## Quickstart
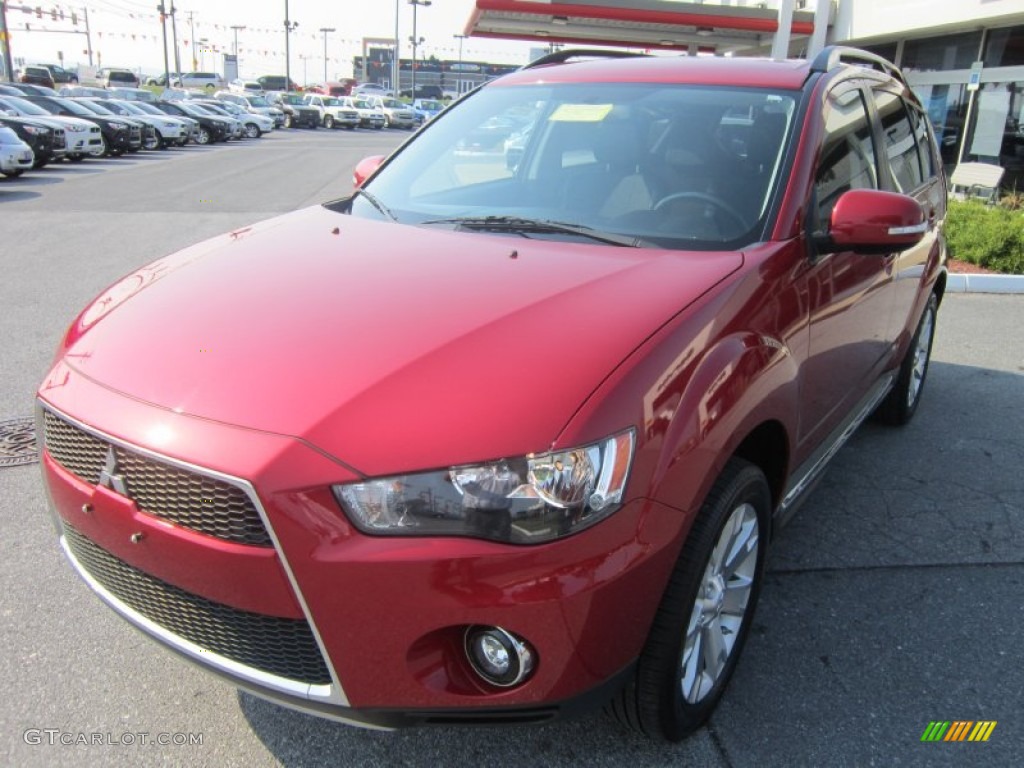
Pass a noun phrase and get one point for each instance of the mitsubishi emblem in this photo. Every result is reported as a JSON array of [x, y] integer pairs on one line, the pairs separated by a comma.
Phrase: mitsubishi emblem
[[108, 475]]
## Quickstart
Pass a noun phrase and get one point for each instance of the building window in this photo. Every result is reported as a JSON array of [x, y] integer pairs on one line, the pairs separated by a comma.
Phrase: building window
[[942, 53], [1005, 47], [886, 50]]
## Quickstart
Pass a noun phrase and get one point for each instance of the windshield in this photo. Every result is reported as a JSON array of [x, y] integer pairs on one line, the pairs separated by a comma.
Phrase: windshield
[[393, 104], [146, 108], [23, 107], [75, 107], [126, 108], [96, 107], [431, 105], [258, 101], [293, 99], [195, 109], [329, 101], [362, 104], [681, 166]]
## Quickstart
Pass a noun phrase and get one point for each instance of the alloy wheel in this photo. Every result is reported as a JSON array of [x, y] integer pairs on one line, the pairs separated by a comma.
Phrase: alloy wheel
[[721, 604]]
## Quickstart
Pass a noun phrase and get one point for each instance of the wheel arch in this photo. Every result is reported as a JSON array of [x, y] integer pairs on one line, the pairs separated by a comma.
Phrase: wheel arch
[[767, 447]]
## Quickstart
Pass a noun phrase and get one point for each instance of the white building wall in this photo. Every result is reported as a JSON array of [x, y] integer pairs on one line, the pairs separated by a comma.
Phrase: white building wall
[[867, 19]]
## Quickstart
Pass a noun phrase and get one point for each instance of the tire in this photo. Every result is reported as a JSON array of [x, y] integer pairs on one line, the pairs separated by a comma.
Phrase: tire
[[710, 597], [161, 142], [901, 403], [289, 122], [252, 131], [151, 144], [203, 137], [13, 174], [77, 157], [328, 121]]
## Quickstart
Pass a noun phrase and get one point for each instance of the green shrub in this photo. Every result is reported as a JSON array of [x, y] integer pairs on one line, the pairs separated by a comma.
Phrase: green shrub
[[990, 236]]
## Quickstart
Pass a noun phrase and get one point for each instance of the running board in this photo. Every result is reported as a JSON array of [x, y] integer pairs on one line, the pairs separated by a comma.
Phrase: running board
[[810, 471]]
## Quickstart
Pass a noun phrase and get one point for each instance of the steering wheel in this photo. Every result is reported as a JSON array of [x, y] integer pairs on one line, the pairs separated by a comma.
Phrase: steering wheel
[[717, 202]]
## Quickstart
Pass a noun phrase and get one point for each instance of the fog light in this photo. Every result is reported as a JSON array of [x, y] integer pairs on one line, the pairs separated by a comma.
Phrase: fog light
[[499, 657]]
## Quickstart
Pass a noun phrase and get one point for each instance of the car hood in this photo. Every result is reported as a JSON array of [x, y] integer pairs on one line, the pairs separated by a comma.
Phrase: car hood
[[389, 346]]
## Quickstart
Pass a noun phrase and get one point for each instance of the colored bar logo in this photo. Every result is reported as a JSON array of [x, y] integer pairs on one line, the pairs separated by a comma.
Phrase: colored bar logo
[[958, 730]]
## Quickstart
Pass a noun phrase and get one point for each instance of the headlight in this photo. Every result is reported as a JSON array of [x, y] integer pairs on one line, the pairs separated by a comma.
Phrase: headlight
[[118, 126], [528, 500], [31, 130], [78, 128]]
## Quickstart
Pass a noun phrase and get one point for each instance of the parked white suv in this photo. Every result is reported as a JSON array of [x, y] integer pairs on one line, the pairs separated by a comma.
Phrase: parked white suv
[[333, 111], [397, 114], [254, 103], [369, 115], [209, 80]]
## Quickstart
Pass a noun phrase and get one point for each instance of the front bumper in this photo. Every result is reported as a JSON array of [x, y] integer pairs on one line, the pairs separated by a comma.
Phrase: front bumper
[[16, 159], [375, 624]]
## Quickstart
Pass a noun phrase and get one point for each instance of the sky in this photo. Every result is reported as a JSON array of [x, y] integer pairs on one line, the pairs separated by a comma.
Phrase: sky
[[126, 33]]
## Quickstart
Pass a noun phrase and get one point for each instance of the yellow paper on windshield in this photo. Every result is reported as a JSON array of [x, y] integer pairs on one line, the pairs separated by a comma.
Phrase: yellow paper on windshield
[[581, 113]]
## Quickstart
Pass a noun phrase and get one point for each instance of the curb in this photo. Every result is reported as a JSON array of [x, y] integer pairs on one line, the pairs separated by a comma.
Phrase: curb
[[975, 283]]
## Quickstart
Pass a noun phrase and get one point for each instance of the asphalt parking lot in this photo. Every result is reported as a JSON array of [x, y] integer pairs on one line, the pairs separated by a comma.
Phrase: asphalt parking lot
[[895, 597]]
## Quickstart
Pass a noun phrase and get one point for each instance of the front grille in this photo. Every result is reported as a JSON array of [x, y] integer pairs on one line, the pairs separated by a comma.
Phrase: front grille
[[59, 142], [190, 499], [282, 647]]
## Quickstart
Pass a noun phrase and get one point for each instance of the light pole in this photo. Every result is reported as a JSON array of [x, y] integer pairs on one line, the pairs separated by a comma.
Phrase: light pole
[[236, 28], [288, 27], [325, 30], [395, 58], [416, 40]]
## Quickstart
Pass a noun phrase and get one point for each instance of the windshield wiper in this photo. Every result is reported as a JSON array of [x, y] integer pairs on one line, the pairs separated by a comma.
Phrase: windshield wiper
[[375, 203], [523, 226]]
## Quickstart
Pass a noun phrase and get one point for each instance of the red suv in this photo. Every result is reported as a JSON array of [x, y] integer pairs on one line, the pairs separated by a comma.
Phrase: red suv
[[491, 441]]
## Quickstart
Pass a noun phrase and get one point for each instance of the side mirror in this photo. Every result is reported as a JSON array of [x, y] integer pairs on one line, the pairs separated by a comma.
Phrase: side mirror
[[365, 169], [873, 221]]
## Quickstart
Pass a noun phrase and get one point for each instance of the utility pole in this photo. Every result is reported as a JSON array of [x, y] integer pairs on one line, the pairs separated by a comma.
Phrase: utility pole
[[88, 34], [325, 30], [192, 35], [174, 34], [236, 28], [5, 41], [163, 30]]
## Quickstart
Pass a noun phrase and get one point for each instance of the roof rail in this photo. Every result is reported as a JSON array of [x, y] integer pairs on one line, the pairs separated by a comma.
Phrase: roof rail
[[834, 55], [560, 57]]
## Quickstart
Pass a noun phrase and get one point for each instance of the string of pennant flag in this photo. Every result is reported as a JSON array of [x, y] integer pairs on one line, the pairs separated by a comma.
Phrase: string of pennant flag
[[66, 18]]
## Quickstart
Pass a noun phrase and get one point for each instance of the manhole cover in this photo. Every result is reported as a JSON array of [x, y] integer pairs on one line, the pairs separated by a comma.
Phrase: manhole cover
[[18, 442]]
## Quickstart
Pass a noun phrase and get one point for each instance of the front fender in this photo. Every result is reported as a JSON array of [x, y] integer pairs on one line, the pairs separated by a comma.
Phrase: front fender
[[743, 381]]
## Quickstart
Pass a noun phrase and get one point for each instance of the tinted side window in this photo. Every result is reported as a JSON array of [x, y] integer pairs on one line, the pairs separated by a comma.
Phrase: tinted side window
[[848, 152], [900, 142], [924, 142]]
